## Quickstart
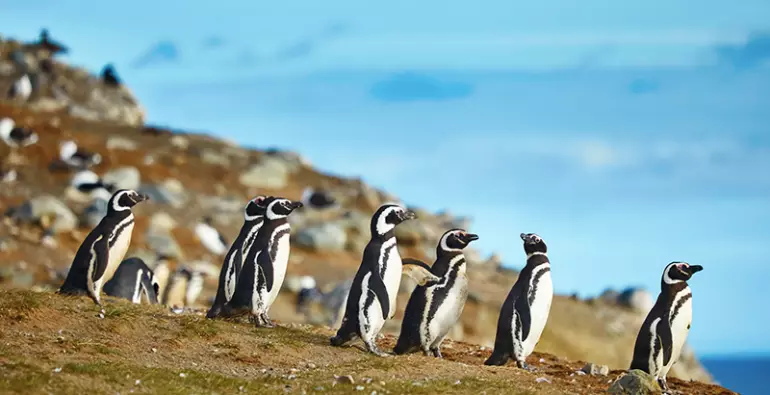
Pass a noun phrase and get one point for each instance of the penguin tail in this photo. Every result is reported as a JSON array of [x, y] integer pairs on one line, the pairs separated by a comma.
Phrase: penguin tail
[[496, 359], [214, 311], [403, 347]]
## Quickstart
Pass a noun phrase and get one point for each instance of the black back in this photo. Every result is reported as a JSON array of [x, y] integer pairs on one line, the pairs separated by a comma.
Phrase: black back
[[123, 282]]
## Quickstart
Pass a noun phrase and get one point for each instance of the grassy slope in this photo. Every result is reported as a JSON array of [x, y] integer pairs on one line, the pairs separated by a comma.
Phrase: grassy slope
[[42, 332]]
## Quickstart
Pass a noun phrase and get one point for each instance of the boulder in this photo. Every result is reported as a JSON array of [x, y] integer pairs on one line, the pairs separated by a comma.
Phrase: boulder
[[637, 299], [213, 157], [269, 173], [635, 382], [121, 143], [328, 237], [123, 177], [35, 209], [596, 370]]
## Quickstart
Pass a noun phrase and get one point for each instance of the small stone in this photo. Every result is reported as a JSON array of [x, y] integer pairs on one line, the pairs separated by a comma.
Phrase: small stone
[[154, 349], [121, 143], [311, 365], [292, 376], [359, 388], [596, 370], [635, 382], [580, 373], [180, 142], [344, 379], [542, 380], [182, 375], [137, 382], [458, 382], [57, 370]]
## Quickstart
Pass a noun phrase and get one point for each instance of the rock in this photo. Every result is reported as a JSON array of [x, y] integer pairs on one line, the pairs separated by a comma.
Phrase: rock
[[212, 157], [16, 276], [64, 220], [414, 232], [328, 236], [610, 296], [121, 143], [163, 243], [344, 380], [635, 382], [637, 299], [93, 214], [167, 193], [47, 104], [123, 177], [180, 142], [292, 159], [228, 205], [596, 370], [269, 173], [162, 221]]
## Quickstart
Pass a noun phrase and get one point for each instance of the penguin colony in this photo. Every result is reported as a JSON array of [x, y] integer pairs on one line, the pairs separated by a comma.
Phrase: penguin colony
[[255, 265]]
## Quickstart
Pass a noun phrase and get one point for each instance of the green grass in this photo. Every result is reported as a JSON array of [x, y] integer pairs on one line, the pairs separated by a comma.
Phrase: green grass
[[193, 326], [18, 305]]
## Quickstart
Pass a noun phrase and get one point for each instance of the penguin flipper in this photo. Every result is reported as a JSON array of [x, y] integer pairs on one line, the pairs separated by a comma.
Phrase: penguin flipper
[[265, 262], [522, 309], [149, 290], [377, 285], [419, 271], [101, 253], [665, 338]]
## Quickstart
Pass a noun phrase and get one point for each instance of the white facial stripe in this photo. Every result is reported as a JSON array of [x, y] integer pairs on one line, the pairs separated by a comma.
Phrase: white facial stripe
[[666, 278], [116, 202], [445, 238], [382, 226], [270, 207]]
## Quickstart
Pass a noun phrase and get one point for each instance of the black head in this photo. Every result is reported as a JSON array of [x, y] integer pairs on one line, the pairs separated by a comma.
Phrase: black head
[[455, 240], [255, 208], [207, 220], [387, 217], [278, 207], [533, 244], [678, 272], [124, 199]]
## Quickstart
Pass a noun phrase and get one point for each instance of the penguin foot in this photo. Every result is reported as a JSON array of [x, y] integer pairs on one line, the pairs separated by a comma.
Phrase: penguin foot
[[372, 347], [266, 321], [436, 352], [525, 366]]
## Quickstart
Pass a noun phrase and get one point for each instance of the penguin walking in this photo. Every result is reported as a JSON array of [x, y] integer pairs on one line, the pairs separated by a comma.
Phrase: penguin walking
[[210, 237], [14, 136], [103, 248], [433, 309], [372, 297], [133, 280], [76, 157], [264, 267], [253, 218], [664, 331], [525, 311]]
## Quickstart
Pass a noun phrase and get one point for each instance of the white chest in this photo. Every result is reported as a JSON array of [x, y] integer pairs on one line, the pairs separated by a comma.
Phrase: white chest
[[680, 324], [450, 309], [392, 277], [280, 261], [209, 237], [541, 287], [120, 241]]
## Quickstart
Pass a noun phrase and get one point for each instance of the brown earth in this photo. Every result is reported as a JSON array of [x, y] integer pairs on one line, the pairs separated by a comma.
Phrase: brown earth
[[56, 344]]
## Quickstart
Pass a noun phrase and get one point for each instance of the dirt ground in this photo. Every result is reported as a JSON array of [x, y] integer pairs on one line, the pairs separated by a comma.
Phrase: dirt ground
[[56, 344]]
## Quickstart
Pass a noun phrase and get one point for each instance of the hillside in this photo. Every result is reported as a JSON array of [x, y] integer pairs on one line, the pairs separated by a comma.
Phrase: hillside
[[190, 176], [50, 343]]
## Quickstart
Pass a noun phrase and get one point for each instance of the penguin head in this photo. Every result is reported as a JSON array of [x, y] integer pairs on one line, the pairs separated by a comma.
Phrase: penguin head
[[677, 272], [278, 207], [255, 208], [533, 243], [455, 240], [124, 199], [387, 217]]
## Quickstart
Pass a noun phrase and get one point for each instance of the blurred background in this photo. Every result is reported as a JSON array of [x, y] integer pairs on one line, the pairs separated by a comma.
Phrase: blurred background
[[626, 135]]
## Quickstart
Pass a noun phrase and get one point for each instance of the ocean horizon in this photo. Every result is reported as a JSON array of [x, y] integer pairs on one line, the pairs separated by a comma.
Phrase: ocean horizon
[[742, 373]]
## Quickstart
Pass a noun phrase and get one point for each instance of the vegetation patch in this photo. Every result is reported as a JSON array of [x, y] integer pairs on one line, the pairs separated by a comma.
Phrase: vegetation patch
[[18, 305]]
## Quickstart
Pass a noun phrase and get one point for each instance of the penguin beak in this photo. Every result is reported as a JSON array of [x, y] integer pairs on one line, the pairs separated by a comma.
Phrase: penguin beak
[[469, 237], [695, 269], [408, 214], [141, 197], [523, 236], [295, 205]]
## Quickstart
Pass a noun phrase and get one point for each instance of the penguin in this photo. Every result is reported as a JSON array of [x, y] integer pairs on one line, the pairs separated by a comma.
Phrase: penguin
[[525, 311], [318, 199], [21, 89], [664, 331], [103, 248], [8, 176], [76, 157], [16, 137], [372, 297], [50, 45], [110, 76], [433, 309], [210, 237], [308, 292], [183, 289], [133, 280], [253, 218], [161, 274], [88, 182], [264, 267]]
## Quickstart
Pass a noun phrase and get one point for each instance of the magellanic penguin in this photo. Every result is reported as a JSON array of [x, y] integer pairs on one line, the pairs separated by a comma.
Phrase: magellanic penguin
[[253, 218], [664, 331], [525, 311], [14, 136], [372, 297], [433, 309], [264, 267], [210, 237], [135, 281], [76, 157], [103, 248]]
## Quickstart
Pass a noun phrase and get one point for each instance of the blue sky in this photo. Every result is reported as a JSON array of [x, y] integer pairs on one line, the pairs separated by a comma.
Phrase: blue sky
[[628, 136]]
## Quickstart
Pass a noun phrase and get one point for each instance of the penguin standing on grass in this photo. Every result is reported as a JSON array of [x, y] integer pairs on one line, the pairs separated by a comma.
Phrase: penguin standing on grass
[[664, 331], [265, 265], [372, 297], [103, 248], [254, 217], [133, 280], [434, 308], [525, 311]]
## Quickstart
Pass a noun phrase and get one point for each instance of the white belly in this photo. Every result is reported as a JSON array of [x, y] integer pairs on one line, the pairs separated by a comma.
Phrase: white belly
[[450, 310], [679, 330], [280, 263], [369, 316], [539, 310], [118, 251], [392, 277], [209, 237]]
